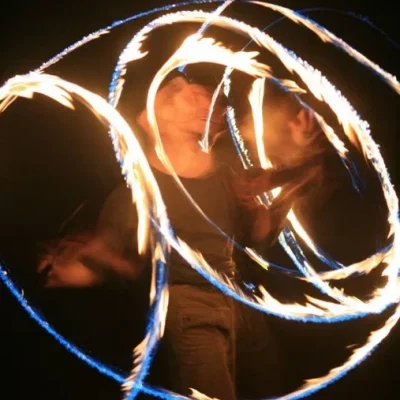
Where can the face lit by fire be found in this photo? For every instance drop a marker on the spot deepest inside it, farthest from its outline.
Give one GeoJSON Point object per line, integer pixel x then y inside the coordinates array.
{"type": "Point", "coordinates": [288, 137]}
{"type": "Point", "coordinates": [182, 110]}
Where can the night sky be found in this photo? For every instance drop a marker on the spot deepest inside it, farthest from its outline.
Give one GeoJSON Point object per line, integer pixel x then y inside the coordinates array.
{"type": "Point", "coordinates": [52, 160]}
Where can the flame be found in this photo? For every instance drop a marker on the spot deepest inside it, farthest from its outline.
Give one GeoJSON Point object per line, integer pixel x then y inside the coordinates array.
{"type": "Point", "coordinates": [153, 219]}
{"type": "Point", "coordinates": [256, 99]}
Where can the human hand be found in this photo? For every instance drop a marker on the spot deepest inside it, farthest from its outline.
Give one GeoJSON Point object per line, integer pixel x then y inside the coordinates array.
{"type": "Point", "coordinates": [250, 183]}
{"type": "Point", "coordinates": [60, 263]}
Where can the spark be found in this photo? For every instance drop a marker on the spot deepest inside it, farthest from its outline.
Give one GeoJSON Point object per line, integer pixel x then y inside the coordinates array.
{"type": "Point", "coordinates": [142, 183]}
{"type": "Point", "coordinates": [154, 230]}
{"type": "Point", "coordinates": [294, 64]}
{"type": "Point", "coordinates": [319, 87]}
{"type": "Point", "coordinates": [329, 37]}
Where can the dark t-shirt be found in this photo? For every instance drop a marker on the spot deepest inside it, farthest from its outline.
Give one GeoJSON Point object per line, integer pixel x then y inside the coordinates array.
{"type": "Point", "coordinates": [118, 221]}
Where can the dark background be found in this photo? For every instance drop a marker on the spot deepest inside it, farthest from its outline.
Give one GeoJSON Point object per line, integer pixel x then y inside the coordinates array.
{"type": "Point", "coordinates": [52, 160]}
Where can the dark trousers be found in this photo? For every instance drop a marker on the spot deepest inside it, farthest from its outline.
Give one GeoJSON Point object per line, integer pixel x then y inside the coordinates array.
{"type": "Point", "coordinates": [200, 340]}
{"type": "Point", "coordinates": [259, 371]}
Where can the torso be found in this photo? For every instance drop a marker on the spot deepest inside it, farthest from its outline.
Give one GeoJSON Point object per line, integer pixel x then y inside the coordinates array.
{"type": "Point", "coordinates": [213, 196]}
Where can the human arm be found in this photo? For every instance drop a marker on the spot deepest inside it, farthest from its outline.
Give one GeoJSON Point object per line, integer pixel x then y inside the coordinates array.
{"type": "Point", "coordinates": [264, 224]}
{"type": "Point", "coordinates": [90, 258]}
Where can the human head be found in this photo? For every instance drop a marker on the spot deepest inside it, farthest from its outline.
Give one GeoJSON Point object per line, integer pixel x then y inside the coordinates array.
{"type": "Point", "coordinates": [287, 138]}
{"type": "Point", "coordinates": [182, 109]}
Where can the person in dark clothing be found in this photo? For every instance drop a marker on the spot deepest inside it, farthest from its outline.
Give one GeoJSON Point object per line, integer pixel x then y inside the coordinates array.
{"type": "Point", "coordinates": [200, 328]}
